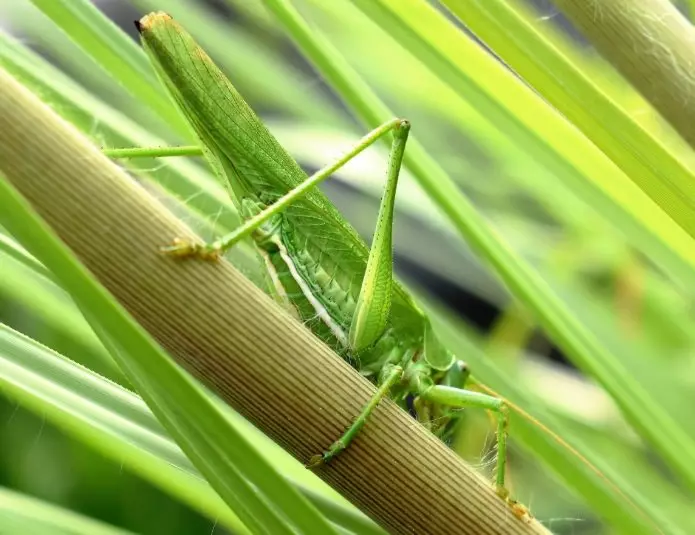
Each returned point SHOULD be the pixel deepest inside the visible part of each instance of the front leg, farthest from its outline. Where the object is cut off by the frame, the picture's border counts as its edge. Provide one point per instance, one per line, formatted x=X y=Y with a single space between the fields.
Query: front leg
x=186 y=249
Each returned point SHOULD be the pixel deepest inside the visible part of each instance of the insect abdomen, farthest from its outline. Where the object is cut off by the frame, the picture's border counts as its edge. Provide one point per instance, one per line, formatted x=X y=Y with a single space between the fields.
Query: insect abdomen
x=333 y=286
x=304 y=307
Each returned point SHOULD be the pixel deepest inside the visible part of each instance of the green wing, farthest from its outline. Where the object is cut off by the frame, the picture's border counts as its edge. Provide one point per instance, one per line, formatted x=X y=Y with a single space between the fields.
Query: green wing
x=330 y=255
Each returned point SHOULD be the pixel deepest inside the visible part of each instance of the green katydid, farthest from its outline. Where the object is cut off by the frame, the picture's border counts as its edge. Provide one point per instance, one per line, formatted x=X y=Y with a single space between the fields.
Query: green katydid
x=319 y=267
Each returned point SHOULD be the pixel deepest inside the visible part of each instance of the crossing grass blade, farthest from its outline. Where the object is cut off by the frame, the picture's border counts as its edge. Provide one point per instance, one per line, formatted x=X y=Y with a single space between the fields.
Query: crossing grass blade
x=546 y=134
x=110 y=49
x=653 y=166
x=116 y=422
x=22 y=514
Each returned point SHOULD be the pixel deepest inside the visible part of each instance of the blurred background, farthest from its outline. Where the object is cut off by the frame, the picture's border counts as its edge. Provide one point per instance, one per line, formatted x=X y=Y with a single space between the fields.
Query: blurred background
x=521 y=187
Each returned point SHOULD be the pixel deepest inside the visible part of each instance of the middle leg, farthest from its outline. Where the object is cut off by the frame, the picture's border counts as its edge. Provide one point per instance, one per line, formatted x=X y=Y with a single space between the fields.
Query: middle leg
x=458 y=397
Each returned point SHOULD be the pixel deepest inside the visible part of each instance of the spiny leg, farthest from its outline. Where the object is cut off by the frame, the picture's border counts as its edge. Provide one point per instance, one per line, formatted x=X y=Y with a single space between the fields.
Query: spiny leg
x=457 y=397
x=390 y=378
x=183 y=248
x=246 y=229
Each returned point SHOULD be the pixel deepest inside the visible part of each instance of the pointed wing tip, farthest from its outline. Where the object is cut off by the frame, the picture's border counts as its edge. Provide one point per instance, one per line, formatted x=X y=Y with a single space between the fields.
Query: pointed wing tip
x=149 y=20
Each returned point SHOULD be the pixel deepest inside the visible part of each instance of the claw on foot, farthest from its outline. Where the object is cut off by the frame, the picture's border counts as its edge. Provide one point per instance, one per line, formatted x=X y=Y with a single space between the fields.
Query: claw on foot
x=520 y=511
x=186 y=249
x=315 y=462
x=326 y=456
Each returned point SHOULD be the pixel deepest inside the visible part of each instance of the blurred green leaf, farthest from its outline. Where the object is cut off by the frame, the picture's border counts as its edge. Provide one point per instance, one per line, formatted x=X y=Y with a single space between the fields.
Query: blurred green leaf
x=22 y=514
x=117 y=423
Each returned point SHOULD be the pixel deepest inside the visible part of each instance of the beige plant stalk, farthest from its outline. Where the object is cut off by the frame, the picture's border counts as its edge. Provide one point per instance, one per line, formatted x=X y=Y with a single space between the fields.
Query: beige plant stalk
x=235 y=339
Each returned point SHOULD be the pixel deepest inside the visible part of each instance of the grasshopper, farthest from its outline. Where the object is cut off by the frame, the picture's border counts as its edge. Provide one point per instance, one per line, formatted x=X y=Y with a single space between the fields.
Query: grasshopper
x=319 y=266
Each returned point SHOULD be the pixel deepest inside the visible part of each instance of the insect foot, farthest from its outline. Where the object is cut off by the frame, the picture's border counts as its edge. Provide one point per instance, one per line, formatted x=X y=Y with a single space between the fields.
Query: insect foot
x=315 y=462
x=186 y=249
x=520 y=511
x=318 y=460
x=503 y=493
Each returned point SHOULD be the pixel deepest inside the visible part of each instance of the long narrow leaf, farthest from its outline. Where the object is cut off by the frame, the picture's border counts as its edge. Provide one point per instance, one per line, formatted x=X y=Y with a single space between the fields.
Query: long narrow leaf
x=112 y=50
x=117 y=423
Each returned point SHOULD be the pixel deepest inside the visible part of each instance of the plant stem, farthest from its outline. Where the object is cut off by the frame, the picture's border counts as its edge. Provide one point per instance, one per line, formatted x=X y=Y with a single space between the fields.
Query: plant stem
x=651 y=44
x=234 y=338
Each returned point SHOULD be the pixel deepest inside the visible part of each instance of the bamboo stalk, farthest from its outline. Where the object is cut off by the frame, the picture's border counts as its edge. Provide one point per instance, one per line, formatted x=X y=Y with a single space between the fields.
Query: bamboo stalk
x=234 y=338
